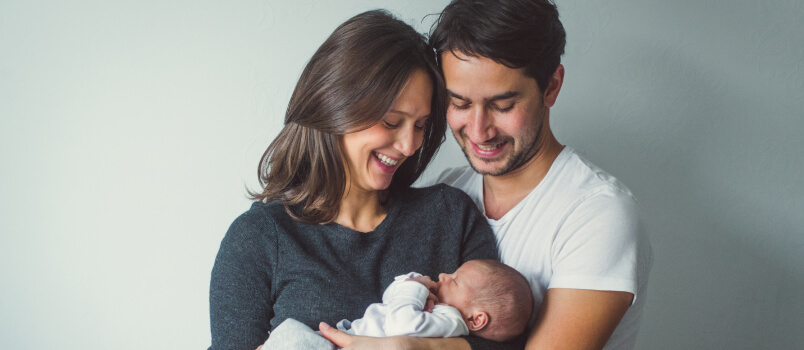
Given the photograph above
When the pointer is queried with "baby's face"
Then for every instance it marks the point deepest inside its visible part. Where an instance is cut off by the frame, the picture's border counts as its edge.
(456, 289)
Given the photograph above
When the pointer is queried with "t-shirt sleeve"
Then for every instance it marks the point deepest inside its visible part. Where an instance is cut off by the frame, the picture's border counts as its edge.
(597, 245)
(240, 288)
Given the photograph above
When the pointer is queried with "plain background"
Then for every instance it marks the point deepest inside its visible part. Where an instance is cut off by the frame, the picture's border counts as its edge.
(129, 131)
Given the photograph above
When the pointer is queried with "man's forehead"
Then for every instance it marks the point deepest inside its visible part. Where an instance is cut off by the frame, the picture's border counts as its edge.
(478, 77)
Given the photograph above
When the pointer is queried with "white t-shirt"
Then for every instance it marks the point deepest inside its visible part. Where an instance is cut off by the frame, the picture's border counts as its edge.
(402, 313)
(579, 228)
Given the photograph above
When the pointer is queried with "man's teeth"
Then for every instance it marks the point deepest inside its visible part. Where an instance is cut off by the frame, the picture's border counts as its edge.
(385, 160)
(488, 147)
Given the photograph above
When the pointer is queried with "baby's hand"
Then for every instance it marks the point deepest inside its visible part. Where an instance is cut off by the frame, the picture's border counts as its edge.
(431, 286)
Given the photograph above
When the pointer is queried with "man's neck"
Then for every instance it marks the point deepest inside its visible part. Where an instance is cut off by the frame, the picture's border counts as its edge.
(502, 193)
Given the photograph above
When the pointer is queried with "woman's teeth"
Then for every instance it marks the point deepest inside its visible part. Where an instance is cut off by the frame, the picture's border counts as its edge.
(488, 147)
(385, 160)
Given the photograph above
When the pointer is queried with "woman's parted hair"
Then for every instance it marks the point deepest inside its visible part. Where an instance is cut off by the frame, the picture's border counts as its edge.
(348, 85)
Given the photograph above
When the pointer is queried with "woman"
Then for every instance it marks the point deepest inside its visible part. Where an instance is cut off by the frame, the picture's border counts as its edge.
(336, 219)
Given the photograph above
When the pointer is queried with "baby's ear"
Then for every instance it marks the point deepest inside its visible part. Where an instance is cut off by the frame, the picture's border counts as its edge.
(477, 320)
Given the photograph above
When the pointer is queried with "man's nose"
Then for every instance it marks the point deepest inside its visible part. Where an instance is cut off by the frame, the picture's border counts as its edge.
(479, 126)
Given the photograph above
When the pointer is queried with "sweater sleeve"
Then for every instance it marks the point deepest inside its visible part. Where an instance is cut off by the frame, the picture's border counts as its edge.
(240, 288)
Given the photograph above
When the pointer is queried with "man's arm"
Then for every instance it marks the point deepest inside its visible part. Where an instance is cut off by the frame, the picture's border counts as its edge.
(577, 318)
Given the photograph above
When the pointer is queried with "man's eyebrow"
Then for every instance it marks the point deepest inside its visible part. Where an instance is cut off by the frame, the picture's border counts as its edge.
(502, 96)
(453, 94)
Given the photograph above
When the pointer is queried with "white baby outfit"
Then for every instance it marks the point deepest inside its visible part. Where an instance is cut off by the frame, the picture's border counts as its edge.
(402, 313)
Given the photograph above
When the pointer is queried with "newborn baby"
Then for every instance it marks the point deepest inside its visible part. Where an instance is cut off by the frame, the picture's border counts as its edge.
(483, 297)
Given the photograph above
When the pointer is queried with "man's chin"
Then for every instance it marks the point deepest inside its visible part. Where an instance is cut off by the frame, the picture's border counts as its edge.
(484, 166)
(492, 167)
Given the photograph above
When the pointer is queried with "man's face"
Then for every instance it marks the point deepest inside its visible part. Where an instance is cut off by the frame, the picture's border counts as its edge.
(496, 113)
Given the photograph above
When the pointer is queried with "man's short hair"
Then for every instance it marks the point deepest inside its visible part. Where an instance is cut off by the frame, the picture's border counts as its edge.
(516, 33)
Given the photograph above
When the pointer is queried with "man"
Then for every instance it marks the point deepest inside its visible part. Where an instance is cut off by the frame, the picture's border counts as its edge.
(570, 228)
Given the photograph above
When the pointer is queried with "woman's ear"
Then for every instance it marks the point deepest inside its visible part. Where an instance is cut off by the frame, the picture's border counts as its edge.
(477, 320)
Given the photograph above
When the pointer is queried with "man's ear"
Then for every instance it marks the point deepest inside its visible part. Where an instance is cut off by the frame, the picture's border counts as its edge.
(477, 320)
(554, 87)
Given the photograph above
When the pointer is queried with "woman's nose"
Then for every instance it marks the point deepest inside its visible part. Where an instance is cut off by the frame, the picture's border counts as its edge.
(406, 142)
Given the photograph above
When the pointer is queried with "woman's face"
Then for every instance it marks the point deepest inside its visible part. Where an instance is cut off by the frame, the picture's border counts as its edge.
(374, 154)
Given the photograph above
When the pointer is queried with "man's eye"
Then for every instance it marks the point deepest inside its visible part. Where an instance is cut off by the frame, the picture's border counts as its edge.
(463, 106)
(502, 109)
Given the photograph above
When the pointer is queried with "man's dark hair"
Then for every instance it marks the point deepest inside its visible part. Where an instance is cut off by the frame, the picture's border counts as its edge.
(516, 33)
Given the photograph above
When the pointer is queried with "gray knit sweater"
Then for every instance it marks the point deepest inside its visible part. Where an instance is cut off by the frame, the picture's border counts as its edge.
(271, 267)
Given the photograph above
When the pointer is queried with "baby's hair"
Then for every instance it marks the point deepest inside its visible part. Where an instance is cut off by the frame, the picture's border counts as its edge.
(507, 299)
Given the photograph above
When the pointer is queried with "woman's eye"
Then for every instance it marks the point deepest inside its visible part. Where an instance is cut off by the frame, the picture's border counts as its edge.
(502, 109)
(390, 125)
(461, 107)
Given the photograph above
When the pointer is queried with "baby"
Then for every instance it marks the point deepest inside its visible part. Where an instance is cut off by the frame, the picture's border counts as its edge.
(483, 297)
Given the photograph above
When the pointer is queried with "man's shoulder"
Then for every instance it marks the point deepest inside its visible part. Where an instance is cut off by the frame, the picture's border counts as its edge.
(578, 179)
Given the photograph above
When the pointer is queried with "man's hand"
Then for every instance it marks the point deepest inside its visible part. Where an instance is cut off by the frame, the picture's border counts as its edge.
(354, 342)
(428, 283)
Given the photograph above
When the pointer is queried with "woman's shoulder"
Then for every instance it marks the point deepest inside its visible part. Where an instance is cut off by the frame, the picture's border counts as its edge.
(439, 194)
(259, 219)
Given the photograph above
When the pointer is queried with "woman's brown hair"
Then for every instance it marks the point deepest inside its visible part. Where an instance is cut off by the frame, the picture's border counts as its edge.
(349, 85)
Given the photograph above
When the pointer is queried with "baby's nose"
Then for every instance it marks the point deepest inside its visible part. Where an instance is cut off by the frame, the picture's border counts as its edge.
(442, 276)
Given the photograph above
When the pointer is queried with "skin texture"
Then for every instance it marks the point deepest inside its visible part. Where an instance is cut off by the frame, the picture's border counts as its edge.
(397, 136)
(505, 112)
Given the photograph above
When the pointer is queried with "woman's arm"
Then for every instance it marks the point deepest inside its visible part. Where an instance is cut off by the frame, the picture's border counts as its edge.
(240, 288)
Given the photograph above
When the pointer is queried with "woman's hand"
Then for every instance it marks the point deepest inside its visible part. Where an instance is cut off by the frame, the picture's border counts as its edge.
(354, 342)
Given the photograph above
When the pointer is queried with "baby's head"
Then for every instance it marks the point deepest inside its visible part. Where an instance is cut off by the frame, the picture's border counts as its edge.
(493, 298)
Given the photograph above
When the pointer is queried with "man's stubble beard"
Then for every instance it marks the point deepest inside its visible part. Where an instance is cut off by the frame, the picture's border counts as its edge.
(516, 160)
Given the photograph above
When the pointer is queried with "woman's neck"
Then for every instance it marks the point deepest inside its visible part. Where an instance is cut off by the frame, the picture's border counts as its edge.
(362, 211)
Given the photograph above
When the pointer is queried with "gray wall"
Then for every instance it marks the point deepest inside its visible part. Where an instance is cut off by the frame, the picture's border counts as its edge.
(129, 130)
